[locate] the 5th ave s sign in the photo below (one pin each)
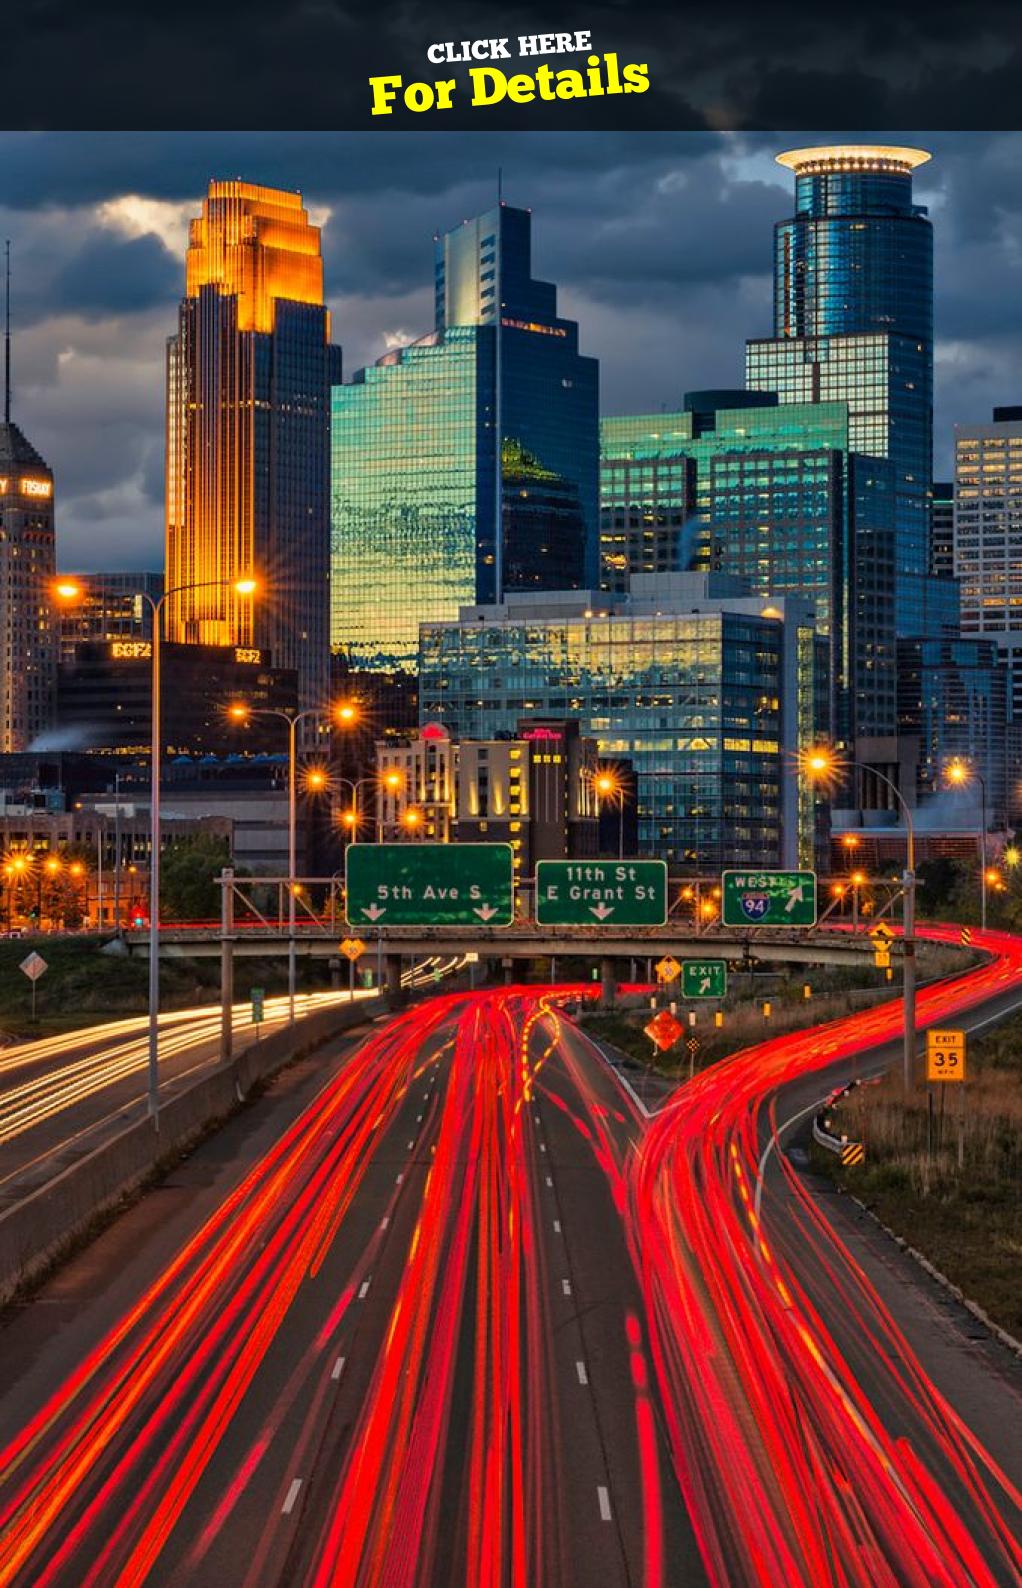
(429, 885)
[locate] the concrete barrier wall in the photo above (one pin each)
(37, 1230)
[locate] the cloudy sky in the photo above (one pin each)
(660, 244)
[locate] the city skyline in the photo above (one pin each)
(676, 235)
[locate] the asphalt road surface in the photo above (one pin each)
(454, 1310)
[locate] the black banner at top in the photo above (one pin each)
(340, 64)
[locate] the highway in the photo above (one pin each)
(455, 1310)
(59, 1093)
(404, 1346)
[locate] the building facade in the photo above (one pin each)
(111, 607)
(28, 623)
(532, 788)
(942, 530)
(774, 494)
(248, 422)
(428, 512)
(104, 698)
(953, 696)
(987, 551)
(709, 691)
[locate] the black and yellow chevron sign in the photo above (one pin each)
(966, 936)
(853, 1152)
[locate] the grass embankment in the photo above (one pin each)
(950, 1182)
(836, 991)
(83, 986)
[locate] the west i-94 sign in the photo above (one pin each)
(769, 898)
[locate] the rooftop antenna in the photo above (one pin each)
(7, 333)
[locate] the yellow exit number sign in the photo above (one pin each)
(945, 1055)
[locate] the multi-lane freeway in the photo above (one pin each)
(59, 1093)
(455, 1310)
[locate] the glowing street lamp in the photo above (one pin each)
(609, 786)
(960, 774)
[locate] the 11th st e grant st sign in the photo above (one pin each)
(601, 892)
(769, 898)
(429, 885)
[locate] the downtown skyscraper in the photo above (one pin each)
(248, 413)
(429, 513)
(853, 322)
(28, 625)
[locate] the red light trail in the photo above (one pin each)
(399, 1231)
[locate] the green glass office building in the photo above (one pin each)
(774, 494)
(418, 486)
(707, 690)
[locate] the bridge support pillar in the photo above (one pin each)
(226, 964)
(608, 983)
(392, 969)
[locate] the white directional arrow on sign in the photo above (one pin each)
(374, 911)
(485, 912)
(704, 985)
(601, 910)
(794, 897)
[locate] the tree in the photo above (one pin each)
(188, 871)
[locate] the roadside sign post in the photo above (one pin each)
(704, 978)
(352, 948)
(768, 898)
(601, 892)
(33, 966)
(945, 1055)
(429, 885)
(663, 1030)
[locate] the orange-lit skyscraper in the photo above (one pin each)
(248, 424)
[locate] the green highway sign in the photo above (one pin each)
(601, 892)
(769, 898)
(704, 978)
(429, 885)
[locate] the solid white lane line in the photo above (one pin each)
(292, 1495)
(604, 1501)
(364, 1290)
(338, 1367)
(580, 1369)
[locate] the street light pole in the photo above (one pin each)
(157, 606)
(822, 764)
(908, 964)
(982, 848)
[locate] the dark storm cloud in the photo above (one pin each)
(110, 275)
(660, 244)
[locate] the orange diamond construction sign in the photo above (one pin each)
(664, 1030)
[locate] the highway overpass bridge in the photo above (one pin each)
(524, 941)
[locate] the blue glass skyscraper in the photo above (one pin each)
(418, 484)
(853, 321)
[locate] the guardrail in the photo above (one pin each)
(849, 1152)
